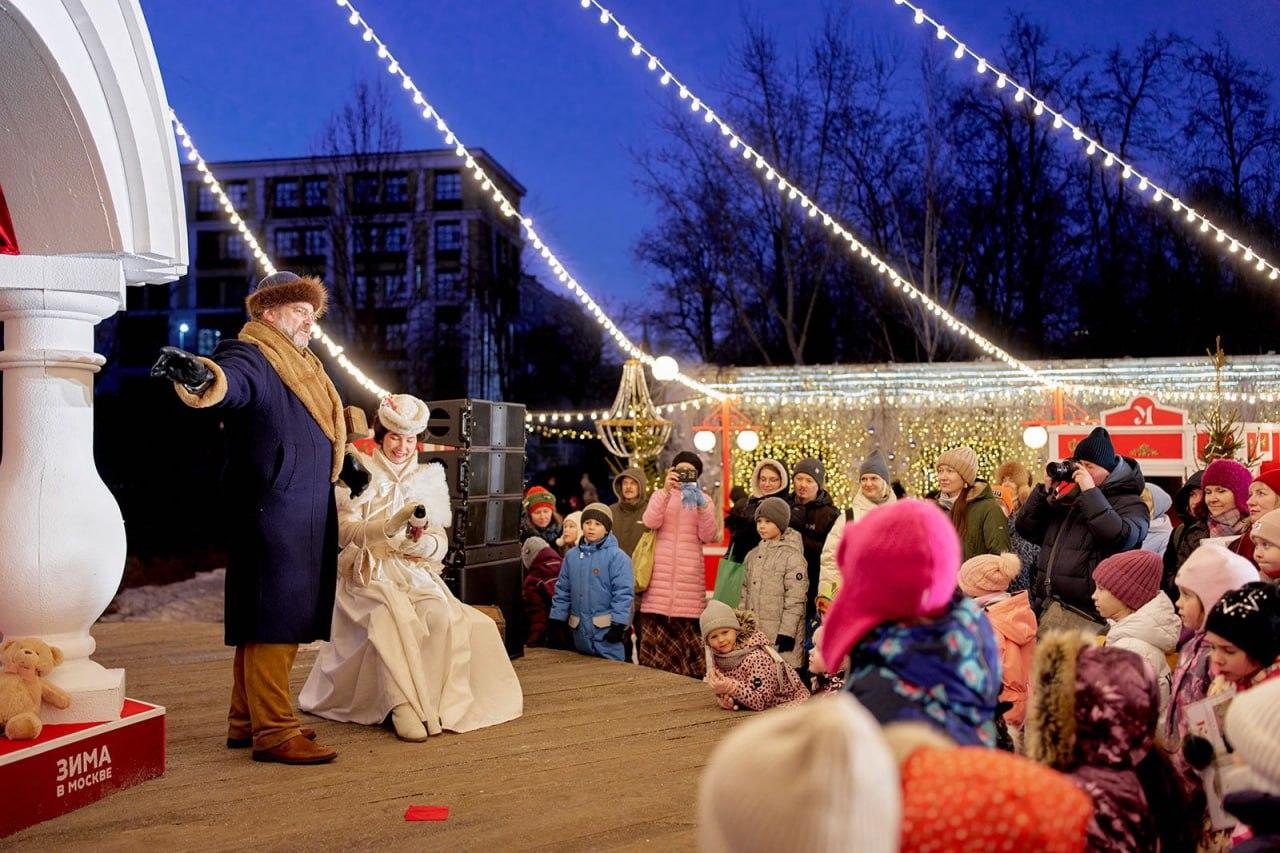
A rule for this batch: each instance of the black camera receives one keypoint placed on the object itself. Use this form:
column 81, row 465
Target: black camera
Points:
column 1062, row 472
column 686, row 475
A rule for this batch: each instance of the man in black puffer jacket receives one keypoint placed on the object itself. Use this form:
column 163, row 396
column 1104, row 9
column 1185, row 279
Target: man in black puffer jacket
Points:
column 1075, row 533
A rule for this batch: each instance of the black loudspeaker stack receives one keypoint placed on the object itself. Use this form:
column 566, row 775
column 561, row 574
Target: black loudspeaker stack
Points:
column 483, row 458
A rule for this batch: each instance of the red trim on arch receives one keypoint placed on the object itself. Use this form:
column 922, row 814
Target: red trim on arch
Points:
column 8, row 237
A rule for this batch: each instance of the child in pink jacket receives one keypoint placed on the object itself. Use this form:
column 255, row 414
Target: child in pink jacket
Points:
column 742, row 668
column 683, row 518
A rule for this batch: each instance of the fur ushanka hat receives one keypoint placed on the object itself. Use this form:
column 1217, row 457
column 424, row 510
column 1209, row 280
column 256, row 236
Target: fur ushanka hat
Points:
column 283, row 288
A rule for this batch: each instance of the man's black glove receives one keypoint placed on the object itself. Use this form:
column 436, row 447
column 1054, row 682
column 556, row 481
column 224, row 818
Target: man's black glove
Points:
column 355, row 475
column 182, row 367
column 784, row 643
column 615, row 633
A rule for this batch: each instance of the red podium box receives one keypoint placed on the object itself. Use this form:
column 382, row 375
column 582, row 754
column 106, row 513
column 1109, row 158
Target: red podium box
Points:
column 71, row 766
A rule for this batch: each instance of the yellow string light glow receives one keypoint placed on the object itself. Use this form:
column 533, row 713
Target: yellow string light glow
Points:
column 773, row 175
column 1129, row 174
column 259, row 255
column 541, row 246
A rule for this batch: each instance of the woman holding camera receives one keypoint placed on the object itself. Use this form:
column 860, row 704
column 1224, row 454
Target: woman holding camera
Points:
column 974, row 509
column 683, row 518
column 402, row 645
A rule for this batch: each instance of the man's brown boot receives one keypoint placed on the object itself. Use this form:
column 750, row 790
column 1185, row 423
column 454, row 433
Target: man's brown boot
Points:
column 296, row 750
column 246, row 742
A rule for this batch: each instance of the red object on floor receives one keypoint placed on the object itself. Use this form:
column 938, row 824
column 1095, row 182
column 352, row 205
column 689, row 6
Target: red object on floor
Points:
column 8, row 237
column 70, row 766
column 426, row 813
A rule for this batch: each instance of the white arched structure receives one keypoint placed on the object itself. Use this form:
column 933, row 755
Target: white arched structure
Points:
column 89, row 169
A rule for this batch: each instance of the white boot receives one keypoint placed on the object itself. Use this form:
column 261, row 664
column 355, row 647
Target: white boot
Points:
column 407, row 725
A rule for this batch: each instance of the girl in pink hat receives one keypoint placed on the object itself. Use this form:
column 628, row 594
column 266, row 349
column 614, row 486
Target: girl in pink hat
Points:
column 919, row 649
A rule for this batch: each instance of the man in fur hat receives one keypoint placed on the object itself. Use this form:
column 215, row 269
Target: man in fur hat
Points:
column 286, row 447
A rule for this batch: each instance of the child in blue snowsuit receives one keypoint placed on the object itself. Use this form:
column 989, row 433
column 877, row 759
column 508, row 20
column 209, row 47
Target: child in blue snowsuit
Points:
column 594, row 592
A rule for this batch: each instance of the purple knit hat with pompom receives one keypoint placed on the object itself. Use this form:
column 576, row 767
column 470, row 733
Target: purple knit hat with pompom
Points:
column 1230, row 475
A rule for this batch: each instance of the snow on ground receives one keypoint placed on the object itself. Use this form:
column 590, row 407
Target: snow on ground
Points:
column 196, row 600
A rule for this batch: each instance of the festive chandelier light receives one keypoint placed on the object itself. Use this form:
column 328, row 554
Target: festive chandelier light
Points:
column 259, row 255
column 487, row 184
column 633, row 429
column 1129, row 174
column 773, row 175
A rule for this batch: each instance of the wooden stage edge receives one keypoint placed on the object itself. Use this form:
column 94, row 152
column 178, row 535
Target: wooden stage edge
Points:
column 606, row 757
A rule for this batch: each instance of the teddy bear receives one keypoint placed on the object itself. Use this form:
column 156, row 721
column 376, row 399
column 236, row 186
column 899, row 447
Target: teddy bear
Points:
column 23, row 688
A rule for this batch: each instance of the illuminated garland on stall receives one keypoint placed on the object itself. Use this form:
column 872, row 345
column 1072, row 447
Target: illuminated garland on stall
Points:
column 1129, row 174
column 563, row 432
column 773, row 176
column 664, row 366
column 259, row 255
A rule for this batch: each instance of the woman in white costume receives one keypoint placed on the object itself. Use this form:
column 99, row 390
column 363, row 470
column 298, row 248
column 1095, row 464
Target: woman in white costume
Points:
column 402, row 644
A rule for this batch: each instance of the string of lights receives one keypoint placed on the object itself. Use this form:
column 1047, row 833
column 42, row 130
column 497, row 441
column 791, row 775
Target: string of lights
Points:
column 1164, row 199
column 774, row 176
column 260, row 255
column 1245, row 379
column 664, row 367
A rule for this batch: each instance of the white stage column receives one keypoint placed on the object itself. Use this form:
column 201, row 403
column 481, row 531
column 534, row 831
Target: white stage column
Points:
column 62, row 540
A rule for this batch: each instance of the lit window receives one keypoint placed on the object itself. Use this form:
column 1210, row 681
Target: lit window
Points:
column 395, row 238
column 366, row 189
column 396, row 190
column 315, row 242
column 287, row 242
column 233, row 248
column 448, row 235
column 206, row 202
column 316, row 191
column 397, row 336
column 448, row 186
column 238, row 193
column 287, row 193
column 207, row 341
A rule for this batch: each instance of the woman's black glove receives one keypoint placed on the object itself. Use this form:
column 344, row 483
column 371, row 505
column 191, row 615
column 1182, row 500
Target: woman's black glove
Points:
column 354, row 475
column 182, row 367
column 784, row 643
column 615, row 633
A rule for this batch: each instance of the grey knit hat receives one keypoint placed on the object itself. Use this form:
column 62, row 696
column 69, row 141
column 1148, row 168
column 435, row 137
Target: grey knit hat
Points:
column 717, row 615
column 813, row 468
column 776, row 510
column 532, row 547
column 875, row 464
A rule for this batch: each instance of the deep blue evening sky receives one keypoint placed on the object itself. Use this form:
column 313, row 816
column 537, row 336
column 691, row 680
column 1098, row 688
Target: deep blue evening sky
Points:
column 552, row 94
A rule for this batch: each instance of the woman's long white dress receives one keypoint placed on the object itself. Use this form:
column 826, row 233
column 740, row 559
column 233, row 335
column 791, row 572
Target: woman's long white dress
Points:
column 399, row 635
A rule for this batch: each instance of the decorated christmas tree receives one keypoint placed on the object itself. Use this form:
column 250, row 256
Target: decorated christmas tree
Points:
column 1223, row 427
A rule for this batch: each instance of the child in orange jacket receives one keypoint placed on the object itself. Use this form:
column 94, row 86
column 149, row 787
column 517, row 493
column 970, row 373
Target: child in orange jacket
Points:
column 986, row 578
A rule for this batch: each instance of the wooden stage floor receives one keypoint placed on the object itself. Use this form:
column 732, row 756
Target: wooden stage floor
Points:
column 606, row 757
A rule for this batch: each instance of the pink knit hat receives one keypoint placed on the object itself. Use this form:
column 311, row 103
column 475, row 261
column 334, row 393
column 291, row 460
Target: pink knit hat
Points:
column 988, row 573
column 1212, row 571
column 900, row 562
column 1231, row 475
column 1131, row 576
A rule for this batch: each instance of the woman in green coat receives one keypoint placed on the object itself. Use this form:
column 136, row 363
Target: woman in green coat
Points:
column 974, row 509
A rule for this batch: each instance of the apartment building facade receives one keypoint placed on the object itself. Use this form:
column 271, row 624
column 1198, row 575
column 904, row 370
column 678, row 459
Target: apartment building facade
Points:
column 423, row 270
